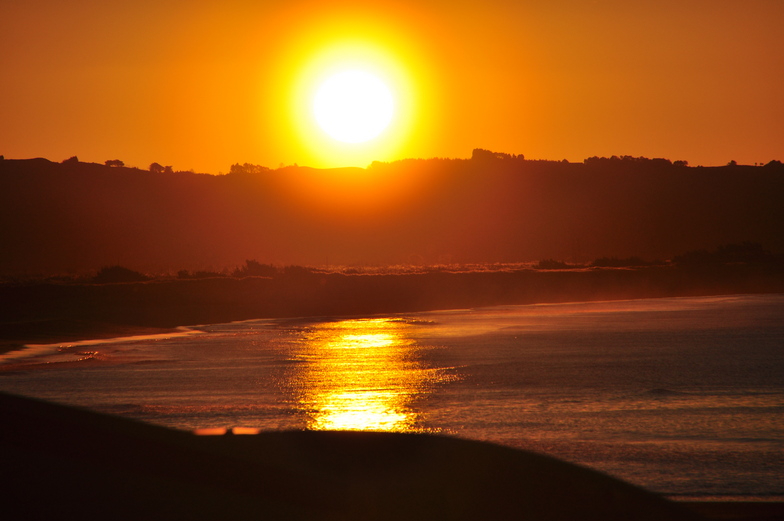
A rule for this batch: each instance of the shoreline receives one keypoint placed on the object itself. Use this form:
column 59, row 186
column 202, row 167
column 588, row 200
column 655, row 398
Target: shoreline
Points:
column 52, row 314
column 27, row 350
column 23, row 335
column 16, row 336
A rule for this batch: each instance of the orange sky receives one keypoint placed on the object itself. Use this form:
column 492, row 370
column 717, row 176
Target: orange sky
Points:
column 201, row 85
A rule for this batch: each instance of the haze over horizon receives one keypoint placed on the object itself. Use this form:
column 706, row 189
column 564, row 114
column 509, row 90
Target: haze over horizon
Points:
column 201, row 86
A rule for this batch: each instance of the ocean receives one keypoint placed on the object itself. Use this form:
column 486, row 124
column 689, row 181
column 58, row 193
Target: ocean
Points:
column 682, row 396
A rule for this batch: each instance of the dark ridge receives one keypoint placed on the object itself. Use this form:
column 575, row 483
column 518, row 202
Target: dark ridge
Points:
column 74, row 217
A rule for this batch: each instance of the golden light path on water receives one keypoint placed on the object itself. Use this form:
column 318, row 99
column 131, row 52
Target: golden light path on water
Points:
column 362, row 375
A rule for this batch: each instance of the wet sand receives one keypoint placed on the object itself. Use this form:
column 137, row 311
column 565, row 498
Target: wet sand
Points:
column 15, row 335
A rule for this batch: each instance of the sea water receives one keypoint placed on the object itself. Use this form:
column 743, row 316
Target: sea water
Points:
column 683, row 396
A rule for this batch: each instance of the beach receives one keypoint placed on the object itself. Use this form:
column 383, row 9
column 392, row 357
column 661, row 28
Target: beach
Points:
column 604, row 318
column 67, row 331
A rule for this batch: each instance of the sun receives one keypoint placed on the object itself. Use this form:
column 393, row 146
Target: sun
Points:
column 349, row 101
column 353, row 106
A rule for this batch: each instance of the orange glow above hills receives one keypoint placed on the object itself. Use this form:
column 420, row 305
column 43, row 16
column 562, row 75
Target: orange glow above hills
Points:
column 201, row 86
column 311, row 43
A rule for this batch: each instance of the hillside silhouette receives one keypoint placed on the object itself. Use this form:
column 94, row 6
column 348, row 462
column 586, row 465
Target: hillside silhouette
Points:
column 76, row 217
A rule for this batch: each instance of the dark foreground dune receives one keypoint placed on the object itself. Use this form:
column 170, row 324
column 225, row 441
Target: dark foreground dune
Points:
column 67, row 463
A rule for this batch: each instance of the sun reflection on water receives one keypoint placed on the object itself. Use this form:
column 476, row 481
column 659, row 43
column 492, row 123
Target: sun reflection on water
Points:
column 361, row 375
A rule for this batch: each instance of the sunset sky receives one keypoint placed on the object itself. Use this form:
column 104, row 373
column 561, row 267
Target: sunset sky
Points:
column 202, row 85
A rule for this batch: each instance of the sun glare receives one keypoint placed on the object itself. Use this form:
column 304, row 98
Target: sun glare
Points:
column 351, row 101
column 353, row 106
column 361, row 375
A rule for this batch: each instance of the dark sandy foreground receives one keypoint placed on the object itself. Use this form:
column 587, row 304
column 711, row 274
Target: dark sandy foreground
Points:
column 67, row 463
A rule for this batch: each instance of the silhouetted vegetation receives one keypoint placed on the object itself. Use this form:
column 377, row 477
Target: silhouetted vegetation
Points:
column 480, row 154
column 550, row 264
column 112, row 274
column 157, row 168
column 635, row 163
column 114, row 162
column 247, row 168
column 254, row 268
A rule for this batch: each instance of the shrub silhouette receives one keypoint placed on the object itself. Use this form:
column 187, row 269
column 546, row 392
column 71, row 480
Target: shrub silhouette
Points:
column 111, row 274
column 157, row 168
column 254, row 268
column 480, row 154
column 247, row 168
column 551, row 264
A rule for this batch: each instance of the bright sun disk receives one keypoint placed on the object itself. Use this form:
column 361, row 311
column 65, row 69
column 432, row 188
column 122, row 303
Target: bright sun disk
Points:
column 353, row 106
